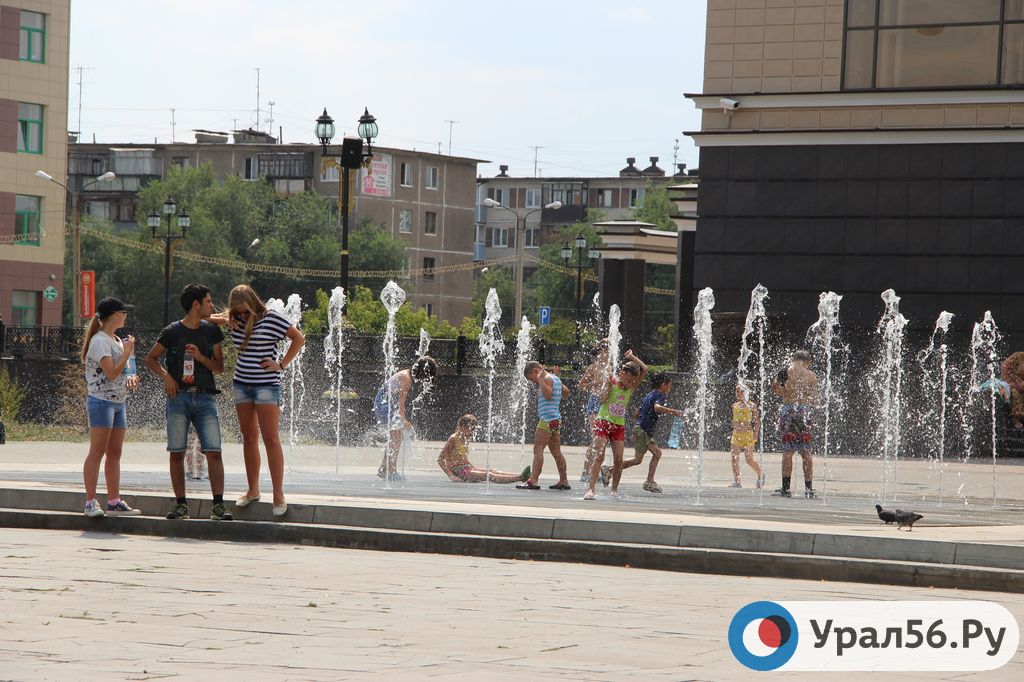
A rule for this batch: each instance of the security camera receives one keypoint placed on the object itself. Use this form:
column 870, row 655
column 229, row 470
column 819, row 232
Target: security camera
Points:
column 728, row 104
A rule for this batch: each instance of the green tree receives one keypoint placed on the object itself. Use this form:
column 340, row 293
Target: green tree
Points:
column 557, row 288
column 501, row 280
column 657, row 208
column 373, row 248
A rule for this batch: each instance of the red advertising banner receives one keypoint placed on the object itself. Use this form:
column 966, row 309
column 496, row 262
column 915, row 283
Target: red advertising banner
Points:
column 87, row 282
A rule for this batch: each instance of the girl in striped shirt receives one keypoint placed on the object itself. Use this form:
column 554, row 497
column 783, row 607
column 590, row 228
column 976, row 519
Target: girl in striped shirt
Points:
column 549, row 398
column 256, row 331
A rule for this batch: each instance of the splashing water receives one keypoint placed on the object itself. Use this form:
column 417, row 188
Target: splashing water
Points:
column 984, row 347
column 491, row 346
column 705, row 351
column 392, row 296
column 755, row 322
column 938, row 386
column 334, row 347
column 424, row 348
column 890, row 385
column 521, row 387
column 822, row 334
column 614, row 337
column 296, row 382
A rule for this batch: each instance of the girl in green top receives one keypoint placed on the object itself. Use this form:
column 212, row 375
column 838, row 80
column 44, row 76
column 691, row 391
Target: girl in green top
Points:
column 610, row 424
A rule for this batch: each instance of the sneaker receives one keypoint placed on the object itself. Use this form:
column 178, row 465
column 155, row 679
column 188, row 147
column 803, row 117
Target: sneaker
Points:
column 585, row 477
column 180, row 511
column 760, row 480
column 735, row 484
column 783, row 492
column 588, row 495
column 652, row 487
column 121, row 509
column 810, row 493
column 218, row 513
column 93, row 508
column 606, row 475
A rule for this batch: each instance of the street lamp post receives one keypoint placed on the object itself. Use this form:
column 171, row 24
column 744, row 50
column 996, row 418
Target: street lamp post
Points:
column 520, row 238
column 580, row 245
column 76, row 217
column 352, row 158
column 153, row 220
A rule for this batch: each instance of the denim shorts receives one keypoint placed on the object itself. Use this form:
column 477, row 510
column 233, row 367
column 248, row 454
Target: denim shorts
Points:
column 198, row 410
column 260, row 394
column 105, row 414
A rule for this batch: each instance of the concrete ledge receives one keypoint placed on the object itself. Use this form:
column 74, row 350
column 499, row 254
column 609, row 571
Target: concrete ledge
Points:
column 657, row 557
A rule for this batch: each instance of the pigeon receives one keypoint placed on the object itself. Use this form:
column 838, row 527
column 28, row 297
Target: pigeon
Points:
column 887, row 516
column 906, row 518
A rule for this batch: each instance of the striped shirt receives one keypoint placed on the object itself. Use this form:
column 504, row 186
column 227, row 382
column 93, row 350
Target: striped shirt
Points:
column 547, row 410
column 266, row 333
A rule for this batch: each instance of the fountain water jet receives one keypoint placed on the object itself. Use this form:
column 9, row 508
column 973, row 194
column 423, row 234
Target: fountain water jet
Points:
column 393, row 297
column 491, row 346
column 941, row 326
column 984, row 342
column 890, row 382
column 823, row 334
column 334, row 347
column 705, row 351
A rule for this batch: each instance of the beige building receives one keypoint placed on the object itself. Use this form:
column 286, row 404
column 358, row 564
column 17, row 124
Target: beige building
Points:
column 33, row 136
column 862, row 145
column 425, row 200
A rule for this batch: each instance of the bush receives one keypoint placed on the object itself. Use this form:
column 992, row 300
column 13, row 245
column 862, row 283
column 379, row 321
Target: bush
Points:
column 12, row 394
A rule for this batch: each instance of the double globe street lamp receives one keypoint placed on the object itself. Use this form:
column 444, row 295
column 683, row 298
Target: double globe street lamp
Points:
column 592, row 257
column 352, row 158
column 153, row 221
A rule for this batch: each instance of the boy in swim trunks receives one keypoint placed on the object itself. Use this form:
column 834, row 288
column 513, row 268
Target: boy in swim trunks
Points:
column 454, row 458
column 549, row 397
column 652, row 407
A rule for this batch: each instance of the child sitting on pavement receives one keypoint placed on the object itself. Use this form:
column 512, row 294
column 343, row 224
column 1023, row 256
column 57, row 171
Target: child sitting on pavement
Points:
column 652, row 407
column 610, row 424
column 549, row 397
column 454, row 458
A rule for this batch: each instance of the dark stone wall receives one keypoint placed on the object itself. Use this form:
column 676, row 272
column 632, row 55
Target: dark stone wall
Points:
column 942, row 224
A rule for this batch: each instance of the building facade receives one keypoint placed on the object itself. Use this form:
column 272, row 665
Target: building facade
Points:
column 34, row 40
column 862, row 145
column 424, row 200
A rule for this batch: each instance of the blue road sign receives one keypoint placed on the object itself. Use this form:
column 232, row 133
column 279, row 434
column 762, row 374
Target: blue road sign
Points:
column 545, row 315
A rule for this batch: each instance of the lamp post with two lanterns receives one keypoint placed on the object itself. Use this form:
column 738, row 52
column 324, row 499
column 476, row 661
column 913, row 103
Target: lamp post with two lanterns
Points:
column 592, row 256
column 352, row 158
column 153, row 221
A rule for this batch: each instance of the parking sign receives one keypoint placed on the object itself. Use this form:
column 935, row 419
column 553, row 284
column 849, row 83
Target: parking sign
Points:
column 545, row 315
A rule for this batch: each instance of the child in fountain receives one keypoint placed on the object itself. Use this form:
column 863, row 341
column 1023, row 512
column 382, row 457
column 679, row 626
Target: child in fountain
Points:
column 389, row 406
column 592, row 377
column 746, row 423
column 547, row 435
column 454, row 458
column 652, row 407
column 610, row 424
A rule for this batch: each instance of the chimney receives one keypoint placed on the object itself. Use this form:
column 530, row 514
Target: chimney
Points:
column 653, row 170
column 681, row 172
column 630, row 169
column 504, row 171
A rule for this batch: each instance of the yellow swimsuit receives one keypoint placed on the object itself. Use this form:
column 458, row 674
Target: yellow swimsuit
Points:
column 742, row 426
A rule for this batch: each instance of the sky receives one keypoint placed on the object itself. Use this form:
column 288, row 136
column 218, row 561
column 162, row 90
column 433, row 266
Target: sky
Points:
column 589, row 82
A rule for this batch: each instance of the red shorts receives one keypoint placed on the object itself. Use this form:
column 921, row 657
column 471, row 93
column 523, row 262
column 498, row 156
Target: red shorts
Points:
column 608, row 431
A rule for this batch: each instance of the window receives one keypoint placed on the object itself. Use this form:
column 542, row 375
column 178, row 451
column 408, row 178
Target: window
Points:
column 533, row 198
column 932, row 43
column 430, row 309
column 432, row 177
column 569, row 193
column 251, row 168
column 499, row 236
column 532, row 238
column 98, row 209
column 24, row 308
column 32, row 40
column 428, row 267
column 26, row 219
column 636, row 197
column 430, row 223
column 405, row 170
column 180, row 161
column 30, row 128
column 499, row 195
column 405, row 220
column 330, row 173
column 134, row 162
column 603, row 198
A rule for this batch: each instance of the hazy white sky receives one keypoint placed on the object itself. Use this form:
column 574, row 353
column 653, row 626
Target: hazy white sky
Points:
column 589, row 81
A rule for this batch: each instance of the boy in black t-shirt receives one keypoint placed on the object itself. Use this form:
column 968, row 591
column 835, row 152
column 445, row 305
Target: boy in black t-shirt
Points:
column 192, row 354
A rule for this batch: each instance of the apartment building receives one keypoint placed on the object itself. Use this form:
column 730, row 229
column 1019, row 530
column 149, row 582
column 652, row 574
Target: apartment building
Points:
column 616, row 196
column 425, row 200
column 33, row 136
column 860, row 145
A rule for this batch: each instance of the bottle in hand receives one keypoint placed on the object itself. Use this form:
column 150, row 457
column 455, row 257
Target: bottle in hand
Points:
column 188, row 369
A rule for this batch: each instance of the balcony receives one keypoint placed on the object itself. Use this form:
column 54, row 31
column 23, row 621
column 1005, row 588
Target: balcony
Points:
column 566, row 214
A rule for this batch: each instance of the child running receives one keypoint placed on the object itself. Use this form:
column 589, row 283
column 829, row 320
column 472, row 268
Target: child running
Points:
column 745, row 424
column 547, row 435
column 652, row 407
column 454, row 458
column 610, row 424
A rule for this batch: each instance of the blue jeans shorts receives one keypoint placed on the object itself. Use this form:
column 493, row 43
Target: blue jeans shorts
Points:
column 198, row 410
column 259, row 394
column 105, row 414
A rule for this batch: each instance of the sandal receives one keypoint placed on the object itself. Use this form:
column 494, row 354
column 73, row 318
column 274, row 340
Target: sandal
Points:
column 526, row 485
column 560, row 486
